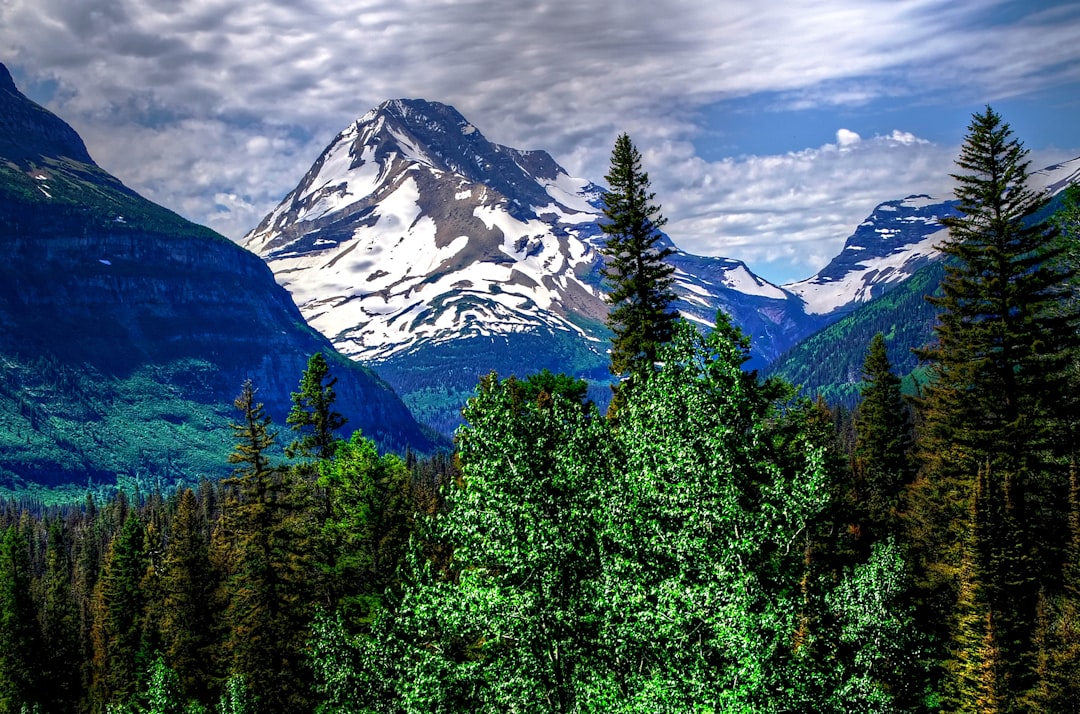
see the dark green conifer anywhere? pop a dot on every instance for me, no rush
(883, 442)
(259, 548)
(60, 623)
(313, 414)
(638, 278)
(118, 617)
(995, 402)
(187, 584)
(20, 646)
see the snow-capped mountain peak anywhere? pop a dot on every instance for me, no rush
(412, 229)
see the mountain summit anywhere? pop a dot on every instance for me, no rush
(415, 242)
(412, 229)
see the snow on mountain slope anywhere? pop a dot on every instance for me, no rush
(1054, 179)
(895, 241)
(412, 229)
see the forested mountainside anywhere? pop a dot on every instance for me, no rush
(128, 331)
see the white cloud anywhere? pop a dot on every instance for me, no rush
(787, 215)
(187, 102)
(846, 137)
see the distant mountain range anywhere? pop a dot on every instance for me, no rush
(421, 248)
(413, 246)
(418, 246)
(126, 331)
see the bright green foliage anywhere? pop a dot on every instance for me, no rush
(163, 694)
(313, 412)
(236, 699)
(701, 534)
(368, 525)
(884, 439)
(648, 564)
(19, 639)
(512, 626)
(638, 278)
(886, 668)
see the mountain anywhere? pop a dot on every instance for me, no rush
(126, 331)
(894, 242)
(879, 283)
(417, 245)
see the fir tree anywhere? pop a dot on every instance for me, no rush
(883, 442)
(118, 617)
(638, 278)
(994, 403)
(259, 548)
(313, 412)
(60, 623)
(19, 637)
(187, 583)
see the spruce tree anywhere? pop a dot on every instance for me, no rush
(313, 412)
(883, 442)
(187, 620)
(60, 623)
(118, 616)
(638, 278)
(19, 636)
(994, 403)
(257, 546)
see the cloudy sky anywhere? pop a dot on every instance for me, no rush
(770, 129)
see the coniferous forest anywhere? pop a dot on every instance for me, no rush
(710, 544)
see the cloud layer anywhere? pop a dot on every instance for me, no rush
(217, 107)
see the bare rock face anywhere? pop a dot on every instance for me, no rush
(100, 284)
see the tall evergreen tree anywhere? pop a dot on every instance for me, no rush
(883, 442)
(637, 275)
(119, 655)
(994, 403)
(60, 623)
(257, 546)
(19, 638)
(313, 414)
(187, 582)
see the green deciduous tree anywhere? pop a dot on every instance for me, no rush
(367, 527)
(638, 278)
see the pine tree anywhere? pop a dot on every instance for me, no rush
(60, 623)
(639, 280)
(118, 617)
(994, 403)
(313, 412)
(187, 584)
(254, 438)
(883, 442)
(259, 549)
(20, 645)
